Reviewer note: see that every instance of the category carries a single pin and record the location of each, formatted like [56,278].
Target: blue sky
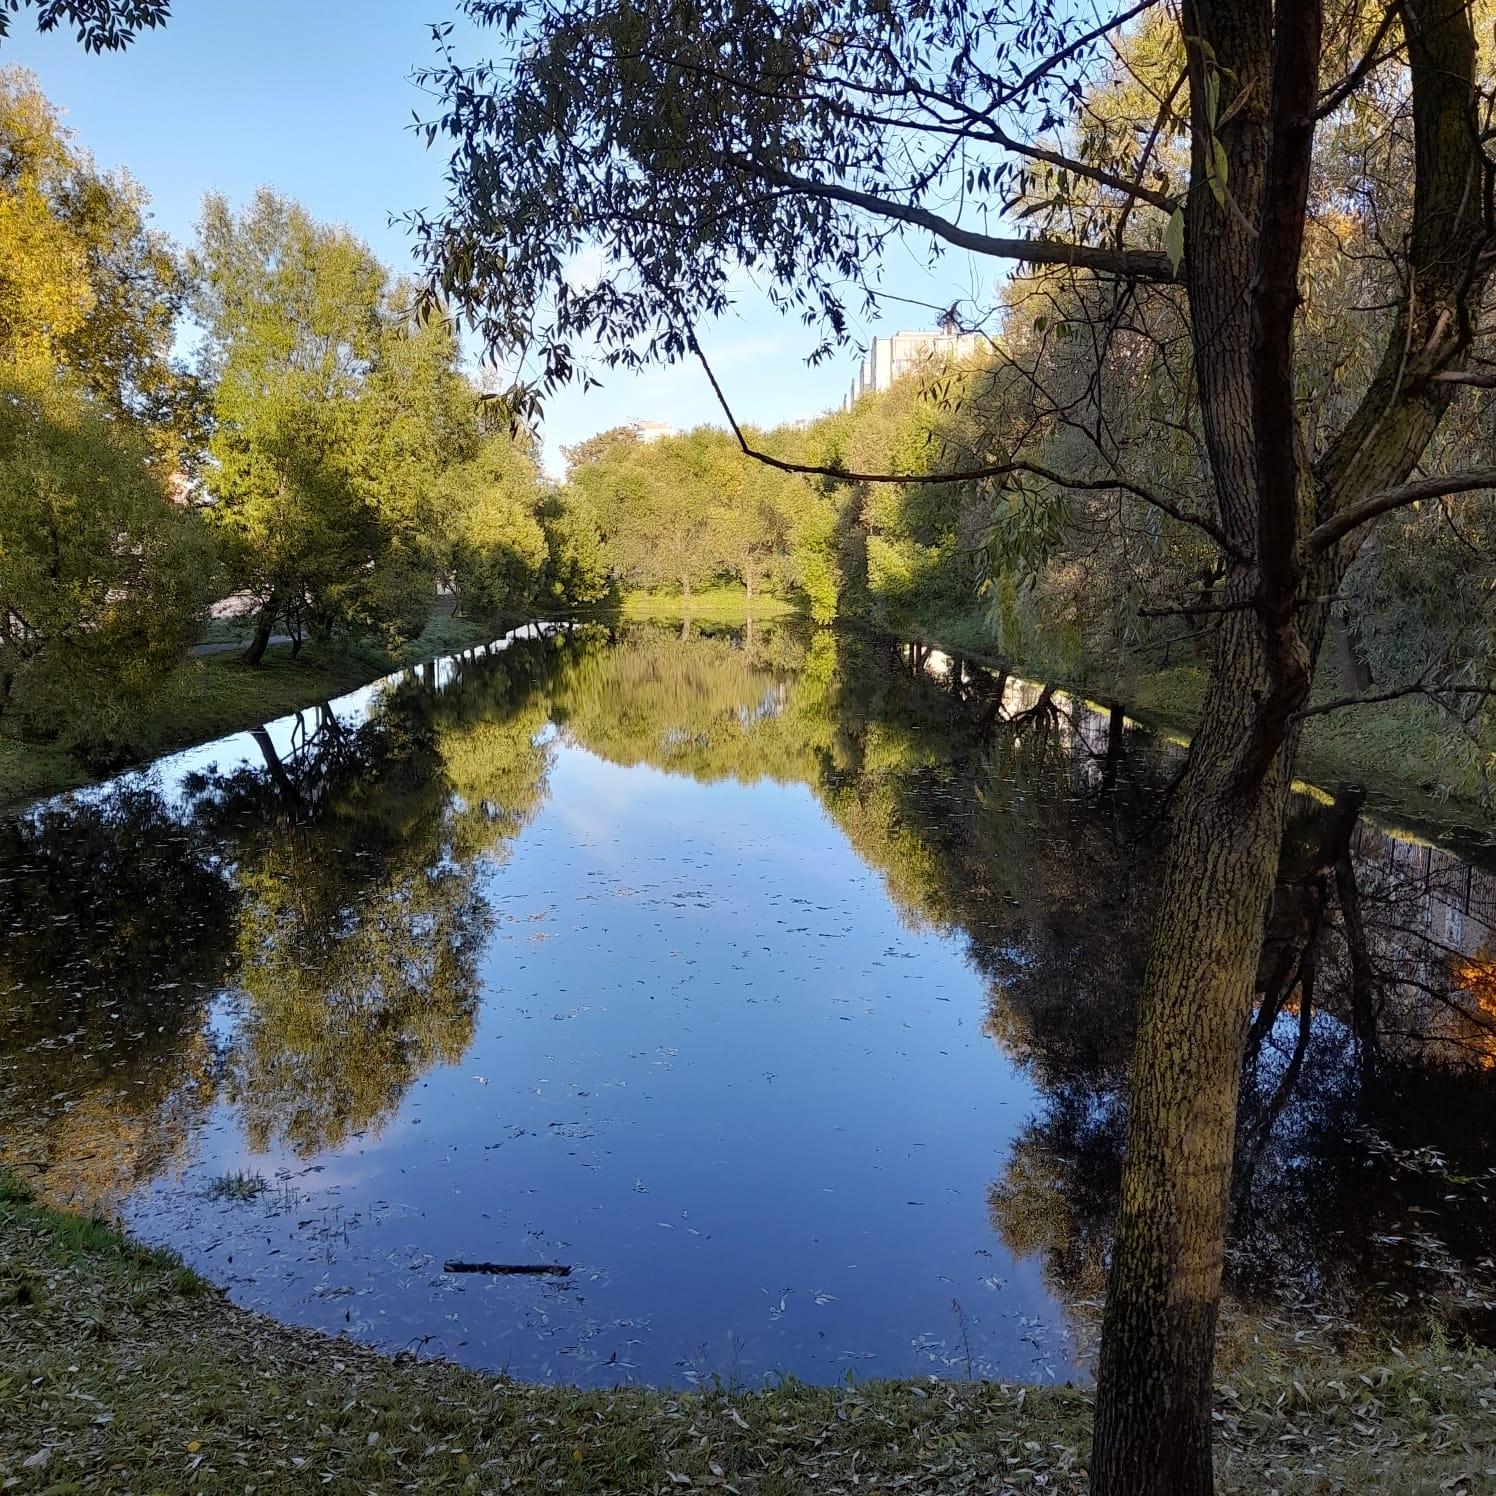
[313,97]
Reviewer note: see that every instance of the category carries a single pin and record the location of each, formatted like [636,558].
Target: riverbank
[121,1369]
[208,696]
[1393,747]
[713,605]
[212,693]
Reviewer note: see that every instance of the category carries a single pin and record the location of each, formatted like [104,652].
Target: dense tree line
[1059,583]
[319,456]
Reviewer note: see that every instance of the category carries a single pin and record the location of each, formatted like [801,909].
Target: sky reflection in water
[780,989]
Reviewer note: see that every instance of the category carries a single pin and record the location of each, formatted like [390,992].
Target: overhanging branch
[1353,516]
[1438,693]
[1128,264]
[964,475]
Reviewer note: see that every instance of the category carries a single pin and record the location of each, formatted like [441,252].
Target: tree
[747,513]
[335,415]
[86,287]
[497,545]
[576,565]
[695,140]
[102,577]
[651,503]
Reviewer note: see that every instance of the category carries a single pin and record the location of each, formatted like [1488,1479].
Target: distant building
[653,431]
[890,359]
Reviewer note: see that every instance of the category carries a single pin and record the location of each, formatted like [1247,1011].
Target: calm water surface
[779,987]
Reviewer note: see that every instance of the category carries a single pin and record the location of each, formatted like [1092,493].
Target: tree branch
[1474,378]
[1278,449]
[1333,98]
[1071,49]
[1394,693]
[1129,264]
[963,475]
[1355,515]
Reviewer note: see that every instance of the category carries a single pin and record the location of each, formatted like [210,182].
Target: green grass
[206,698]
[122,1370]
[1396,747]
[226,630]
[714,605]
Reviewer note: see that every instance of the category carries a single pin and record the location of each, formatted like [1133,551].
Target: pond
[772,990]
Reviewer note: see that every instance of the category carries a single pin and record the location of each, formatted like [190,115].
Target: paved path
[232,646]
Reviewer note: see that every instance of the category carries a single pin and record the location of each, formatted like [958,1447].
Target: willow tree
[691,139]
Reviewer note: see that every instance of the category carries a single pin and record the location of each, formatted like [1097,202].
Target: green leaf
[1215,171]
[1174,239]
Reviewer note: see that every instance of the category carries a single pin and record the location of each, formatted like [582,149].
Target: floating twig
[510,1269]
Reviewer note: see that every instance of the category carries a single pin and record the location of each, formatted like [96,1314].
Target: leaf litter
[121,1370]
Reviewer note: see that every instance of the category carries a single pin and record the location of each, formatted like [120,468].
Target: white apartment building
[890,359]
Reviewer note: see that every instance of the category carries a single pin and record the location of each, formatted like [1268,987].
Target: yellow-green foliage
[101,576]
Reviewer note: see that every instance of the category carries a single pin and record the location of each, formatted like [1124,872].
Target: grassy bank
[208,697]
[120,1370]
[1395,746]
[714,605]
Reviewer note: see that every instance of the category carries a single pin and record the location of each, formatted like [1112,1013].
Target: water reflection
[781,986]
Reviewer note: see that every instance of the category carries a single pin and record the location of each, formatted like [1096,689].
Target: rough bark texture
[1152,1431]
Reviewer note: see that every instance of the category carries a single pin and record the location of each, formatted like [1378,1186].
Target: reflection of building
[890,359]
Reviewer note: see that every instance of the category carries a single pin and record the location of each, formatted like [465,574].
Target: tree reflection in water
[106,1058]
[332,896]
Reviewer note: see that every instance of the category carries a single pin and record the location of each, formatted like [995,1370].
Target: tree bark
[1355,671]
[1152,1434]
[264,627]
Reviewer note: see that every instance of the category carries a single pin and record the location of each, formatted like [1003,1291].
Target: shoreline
[117,1364]
[214,696]
[1336,753]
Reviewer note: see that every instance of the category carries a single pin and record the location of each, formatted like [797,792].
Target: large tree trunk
[1152,1432]
[1152,1435]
